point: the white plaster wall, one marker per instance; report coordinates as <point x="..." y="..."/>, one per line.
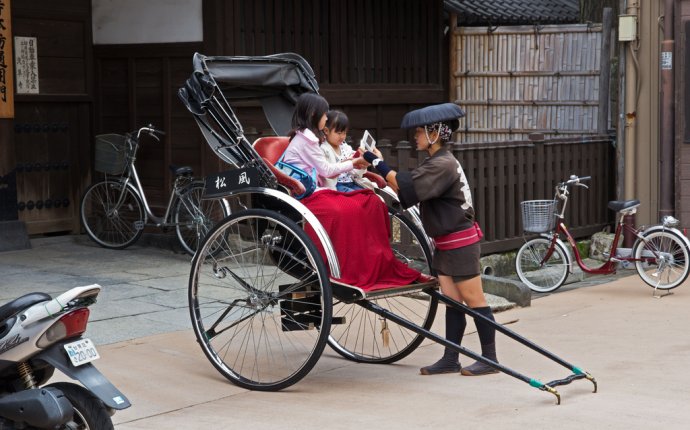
<point x="146" y="21"/>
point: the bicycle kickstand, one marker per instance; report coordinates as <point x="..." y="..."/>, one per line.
<point x="660" y="296"/>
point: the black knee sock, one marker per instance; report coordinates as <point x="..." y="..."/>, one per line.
<point x="487" y="332"/>
<point x="455" y="324"/>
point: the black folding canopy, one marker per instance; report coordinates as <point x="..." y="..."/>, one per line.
<point x="274" y="80"/>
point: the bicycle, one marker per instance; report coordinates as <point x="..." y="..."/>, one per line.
<point x="660" y="252"/>
<point x="115" y="211"/>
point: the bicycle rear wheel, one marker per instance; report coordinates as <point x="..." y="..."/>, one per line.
<point x="363" y="336"/>
<point x="260" y="300"/>
<point x="664" y="256"/>
<point x="194" y="216"/>
<point x="112" y="214"/>
<point x="538" y="273"/>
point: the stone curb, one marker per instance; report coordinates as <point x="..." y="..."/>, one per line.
<point x="512" y="290"/>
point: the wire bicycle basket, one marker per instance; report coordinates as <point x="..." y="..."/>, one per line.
<point x="538" y="216"/>
<point x="110" y="153"/>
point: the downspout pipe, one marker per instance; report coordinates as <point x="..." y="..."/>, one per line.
<point x="621" y="126"/>
<point x="631" y="95"/>
<point x="666" y="138"/>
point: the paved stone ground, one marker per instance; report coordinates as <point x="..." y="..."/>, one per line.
<point x="144" y="286"/>
<point x="636" y="346"/>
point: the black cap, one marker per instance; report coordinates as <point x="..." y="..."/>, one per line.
<point x="445" y="112"/>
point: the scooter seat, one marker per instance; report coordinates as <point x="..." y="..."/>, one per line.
<point x="12" y="308"/>
<point x="619" y="205"/>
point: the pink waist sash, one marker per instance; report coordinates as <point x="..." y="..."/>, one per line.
<point x="460" y="238"/>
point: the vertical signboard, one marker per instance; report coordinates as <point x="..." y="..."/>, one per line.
<point x="26" y="64"/>
<point x="6" y="73"/>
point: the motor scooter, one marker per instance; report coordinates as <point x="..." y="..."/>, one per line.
<point x="39" y="334"/>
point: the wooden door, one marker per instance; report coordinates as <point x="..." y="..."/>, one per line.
<point x="48" y="165"/>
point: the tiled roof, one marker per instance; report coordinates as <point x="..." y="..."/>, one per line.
<point x="514" y="12"/>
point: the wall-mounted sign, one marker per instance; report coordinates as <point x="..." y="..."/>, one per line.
<point x="666" y="60"/>
<point x="26" y="64"/>
<point x="6" y="74"/>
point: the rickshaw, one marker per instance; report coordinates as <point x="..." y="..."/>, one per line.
<point x="264" y="294"/>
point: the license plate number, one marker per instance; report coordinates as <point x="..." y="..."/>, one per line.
<point x="81" y="352"/>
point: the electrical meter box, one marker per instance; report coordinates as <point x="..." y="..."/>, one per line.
<point x="627" y="28"/>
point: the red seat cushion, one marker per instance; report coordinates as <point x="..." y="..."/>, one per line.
<point x="271" y="147"/>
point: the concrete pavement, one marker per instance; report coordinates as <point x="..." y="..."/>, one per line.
<point x="636" y="346"/>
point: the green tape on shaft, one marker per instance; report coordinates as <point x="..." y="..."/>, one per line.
<point x="536" y="383"/>
<point x="577" y="371"/>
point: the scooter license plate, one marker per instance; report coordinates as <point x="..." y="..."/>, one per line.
<point x="81" y="352"/>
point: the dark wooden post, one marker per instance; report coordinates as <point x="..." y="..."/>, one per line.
<point x="384" y="145"/>
<point x="541" y="174"/>
<point x="13" y="233"/>
<point x="404" y="149"/>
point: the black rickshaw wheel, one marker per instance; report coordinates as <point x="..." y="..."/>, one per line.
<point x="260" y="300"/>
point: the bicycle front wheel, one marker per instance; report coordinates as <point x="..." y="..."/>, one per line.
<point x="112" y="214"/>
<point x="260" y="300"/>
<point x="539" y="273"/>
<point x="663" y="259"/>
<point x="194" y="216"/>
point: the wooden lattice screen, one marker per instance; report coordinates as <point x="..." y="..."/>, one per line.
<point x="514" y="81"/>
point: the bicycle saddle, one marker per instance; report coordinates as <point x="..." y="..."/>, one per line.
<point x="619" y="205"/>
<point x="181" y="171"/>
<point x="17" y="305"/>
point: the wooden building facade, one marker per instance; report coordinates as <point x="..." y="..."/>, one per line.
<point x="375" y="60"/>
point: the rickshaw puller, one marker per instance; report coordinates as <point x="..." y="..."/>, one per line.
<point x="440" y="187"/>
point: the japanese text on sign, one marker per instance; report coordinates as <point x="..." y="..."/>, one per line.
<point x="26" y="64"/>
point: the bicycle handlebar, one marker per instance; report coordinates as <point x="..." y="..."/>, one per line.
<point x="152" y="131"/>
<point x="576" y="180"/>
<point x="562" y="187"/>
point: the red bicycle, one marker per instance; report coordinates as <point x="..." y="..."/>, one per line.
<point x="660" y="252"/>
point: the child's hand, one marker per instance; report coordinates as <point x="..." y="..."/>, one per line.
<point x="377" y="152"/>
<point x="360" y="163"/>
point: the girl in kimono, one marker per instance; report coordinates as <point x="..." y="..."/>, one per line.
<point x="337" y="150"/>
<point x="440" y="187"/>
<point x="356" y="222"/>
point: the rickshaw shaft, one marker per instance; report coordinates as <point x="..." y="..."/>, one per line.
<point x="439" y="339"/>
<point x="508" y="332"/>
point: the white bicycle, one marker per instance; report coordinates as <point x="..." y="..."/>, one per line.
<point x="115" y="211"/>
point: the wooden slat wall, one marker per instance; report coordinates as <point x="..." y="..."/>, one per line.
<point x="137" y="85"/>
<point x="375" y="60"/>
<point x="503" y="174"/>
<point x="513" y="81"/>
<point x="388" y="42"/>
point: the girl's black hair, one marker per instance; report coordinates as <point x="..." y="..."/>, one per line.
<point x="308" y="112"/>
<point x="337" y="121"/>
